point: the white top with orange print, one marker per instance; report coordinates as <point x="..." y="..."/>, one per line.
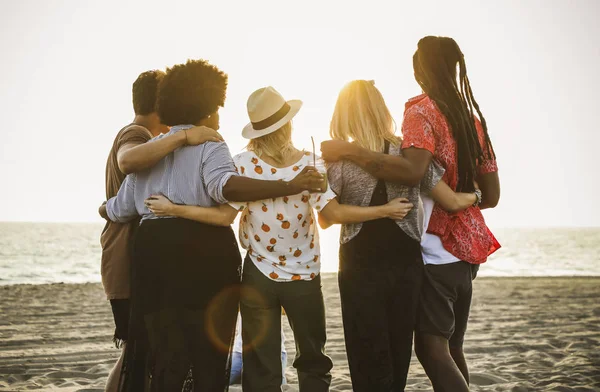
<point x="281" y="234"/>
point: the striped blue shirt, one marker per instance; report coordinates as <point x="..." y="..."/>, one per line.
<point x="190" y="175"/>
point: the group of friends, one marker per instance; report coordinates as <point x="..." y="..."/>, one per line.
<point x="412" y="237"/>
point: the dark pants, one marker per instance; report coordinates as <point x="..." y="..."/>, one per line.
<point x="261" y="302"/>
<point x="379" y="290"/>
<point x="446" y="300"/>
<point x="184" y="302"/>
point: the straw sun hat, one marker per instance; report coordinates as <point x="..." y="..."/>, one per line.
<point x="268" y="112"/>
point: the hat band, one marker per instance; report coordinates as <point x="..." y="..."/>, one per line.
<point x="272" y="119"/>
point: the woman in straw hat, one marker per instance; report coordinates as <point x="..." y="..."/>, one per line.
<point x="283" y="263"/>
<point x="381" y="268"/>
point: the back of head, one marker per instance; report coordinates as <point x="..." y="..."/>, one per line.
<point x="191" y="92"/>
<point x="276" y="145"/>
<point x="435" y="66"/>
<point x="361" y="115"/>
<point x="144" y="92"/>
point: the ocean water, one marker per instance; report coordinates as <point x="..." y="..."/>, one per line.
<point x="70" y="253"/>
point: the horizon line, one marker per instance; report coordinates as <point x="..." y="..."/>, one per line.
<point x="495" y="227"/>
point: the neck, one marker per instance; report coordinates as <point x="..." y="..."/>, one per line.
<point x="148" y="122"/>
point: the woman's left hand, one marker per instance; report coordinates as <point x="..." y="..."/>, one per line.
<point x="398" y="208"/>
<point x="159" y="205"/>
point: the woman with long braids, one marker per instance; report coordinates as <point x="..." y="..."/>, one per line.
<point x="441" y="125"/>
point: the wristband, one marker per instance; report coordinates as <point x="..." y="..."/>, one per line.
<point x="479" y="197"/>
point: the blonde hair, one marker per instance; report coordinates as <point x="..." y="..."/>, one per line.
<point x="276" y="145"/>
<point x="361" y="115"/>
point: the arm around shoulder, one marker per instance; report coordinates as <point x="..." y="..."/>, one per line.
<point x="133" y="158"/>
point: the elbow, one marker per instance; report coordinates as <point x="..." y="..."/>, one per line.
<point x="491" y="201"/>
<point x="102" y="212"/>
<point x="126" y="165"/>
<point x="329" y="217"/>
<point x="323" y="222"/>
<point x="230" y="193"/>
<point x="488" y="204"/>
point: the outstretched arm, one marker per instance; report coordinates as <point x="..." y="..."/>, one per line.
<point x="336" y="213"/>
<point x="133" y="158"/>
<point x="223" y="215"/>
<point x="451" y="201"/>
<point x="224" y="185"/>
<point x="406" y="170"/>
<point x="240" y="188"/>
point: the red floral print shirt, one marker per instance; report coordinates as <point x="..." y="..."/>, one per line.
<point x="464" y="234"/>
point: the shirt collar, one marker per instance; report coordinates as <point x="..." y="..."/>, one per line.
<point x="414" y="100"/>
<point x="177" y="128"/>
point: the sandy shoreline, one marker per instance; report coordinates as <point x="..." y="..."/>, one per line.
<point x="525" y="334"/>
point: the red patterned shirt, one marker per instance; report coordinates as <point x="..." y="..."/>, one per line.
<point x="463" y="234"/>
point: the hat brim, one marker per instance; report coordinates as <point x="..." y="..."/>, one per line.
<point x="250" y="133"/>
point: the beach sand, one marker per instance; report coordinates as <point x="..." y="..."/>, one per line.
<point x="525" y="334"/>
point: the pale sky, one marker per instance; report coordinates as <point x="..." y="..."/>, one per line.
<point x="67" y="69"/>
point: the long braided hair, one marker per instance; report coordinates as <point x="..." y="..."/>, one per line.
<point x="435" y="65"/>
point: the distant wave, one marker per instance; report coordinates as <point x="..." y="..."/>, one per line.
<point x="70" y="252"/>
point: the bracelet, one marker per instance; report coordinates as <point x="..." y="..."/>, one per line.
<point x="479" y="197"/>
<point x="186" y="138"/>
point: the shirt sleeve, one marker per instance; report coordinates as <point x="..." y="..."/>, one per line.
<point x="217" y="169"/>
<point x="135" y="134"/>
<point x="434" y="174"/>
<point x="318" y="201"/>
<point x="239" y="165"/>
<point x="488" y="164"/>
<point x="417" y="131"/>
<point x="121" y="208"/>
<point x="335" y="177"/>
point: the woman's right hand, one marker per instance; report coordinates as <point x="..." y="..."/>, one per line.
<point x="398" y="208"/>
<point x="160" y="205"/>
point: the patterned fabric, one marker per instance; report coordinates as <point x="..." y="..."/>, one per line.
<point x="464" y="234"/>
<point x="355" y="186"/>
<point x="191" y="175"/>
<point x="280" y="234"/>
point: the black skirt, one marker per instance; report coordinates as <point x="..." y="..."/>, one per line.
<point x="184" y="303"/>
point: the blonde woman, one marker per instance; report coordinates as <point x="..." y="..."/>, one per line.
<point x="282" y="265"/>
<point x="381" y="267"/>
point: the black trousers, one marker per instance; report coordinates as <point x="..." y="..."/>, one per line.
<point x="184" y="302"/>
<point x="261" y="302"/>
<point x="380" y="279"/>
